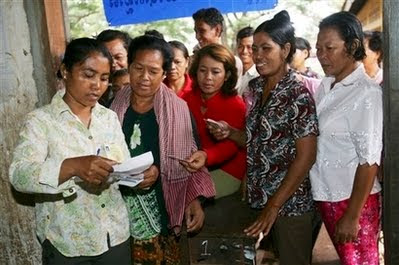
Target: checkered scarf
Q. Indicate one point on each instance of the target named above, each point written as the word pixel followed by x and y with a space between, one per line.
pixel 175 139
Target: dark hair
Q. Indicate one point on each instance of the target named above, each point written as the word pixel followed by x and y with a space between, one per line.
pixel 375 42
pixel 244 33
pixel 303 44
pixel 210 16
pixel 119 73
pixel 350 30
pixel 149 42
pixel 180 46
pixel 221 54
pixel 111 34
pixel 155 33
pixel 78 50
pixel 280 30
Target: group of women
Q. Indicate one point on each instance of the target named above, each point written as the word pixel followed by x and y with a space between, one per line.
pixel 194 121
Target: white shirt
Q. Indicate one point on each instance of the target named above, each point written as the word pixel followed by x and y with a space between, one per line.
pixel 350 124
pixel 378 77
pixel 250 74
pixel 240 68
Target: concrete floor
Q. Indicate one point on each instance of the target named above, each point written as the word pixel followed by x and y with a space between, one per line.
pixel 324 252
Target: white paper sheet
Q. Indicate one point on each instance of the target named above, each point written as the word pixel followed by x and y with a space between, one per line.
pixel 129 173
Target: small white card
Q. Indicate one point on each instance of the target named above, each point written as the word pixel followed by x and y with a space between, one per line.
pixel 130 172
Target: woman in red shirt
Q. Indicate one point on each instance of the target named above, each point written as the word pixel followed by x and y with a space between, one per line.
pixel 177 78
pixel 215 98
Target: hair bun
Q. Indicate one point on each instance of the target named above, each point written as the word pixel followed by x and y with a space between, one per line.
pixel 282 17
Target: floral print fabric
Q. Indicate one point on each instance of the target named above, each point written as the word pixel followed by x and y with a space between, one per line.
pixel 74 217
pixel 272 128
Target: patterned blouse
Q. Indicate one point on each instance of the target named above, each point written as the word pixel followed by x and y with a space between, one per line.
pixel 74 217
pixel 272 128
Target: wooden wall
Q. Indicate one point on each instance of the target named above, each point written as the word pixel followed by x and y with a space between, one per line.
pixel 29 58
pixel 371 15
pixel 391 132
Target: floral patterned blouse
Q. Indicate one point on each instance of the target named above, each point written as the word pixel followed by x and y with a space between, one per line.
pixel 74 217
pixel 288 114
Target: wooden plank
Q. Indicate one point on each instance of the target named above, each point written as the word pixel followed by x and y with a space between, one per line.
pixel 391 132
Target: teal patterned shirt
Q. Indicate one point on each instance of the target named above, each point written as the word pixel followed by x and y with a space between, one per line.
pixel 74 217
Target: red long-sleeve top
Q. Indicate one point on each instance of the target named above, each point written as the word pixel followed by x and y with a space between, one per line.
pixel 224 154
pixel 187 86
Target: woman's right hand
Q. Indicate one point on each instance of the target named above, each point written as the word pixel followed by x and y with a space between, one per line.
pixel 91 169
pixel 264 222
pixel 346 229
pixel 195 162
pixel 219 131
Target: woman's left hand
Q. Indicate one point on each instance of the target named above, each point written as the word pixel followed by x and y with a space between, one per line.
pixel 196 161
pixel 194 216
pixel 264 222
pixel 150 176
pixel 346 229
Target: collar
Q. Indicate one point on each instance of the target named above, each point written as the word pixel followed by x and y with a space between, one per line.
pixel 205 102
pixel 353 77
pixel 59 106
pixel 287 78
pixel 252 71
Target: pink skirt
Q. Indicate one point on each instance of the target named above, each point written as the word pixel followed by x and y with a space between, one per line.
pixel 363 251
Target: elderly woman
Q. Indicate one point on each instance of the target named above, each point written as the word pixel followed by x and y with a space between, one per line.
pixel 349 107
pixel 81 217
pixel 280 135
pixel 154 119
pixel 214 97
pixel 178 79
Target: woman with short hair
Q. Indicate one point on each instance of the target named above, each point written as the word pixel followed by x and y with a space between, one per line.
pixel 154 119
pixel 349 107
pixel 374 55
pixel 178 78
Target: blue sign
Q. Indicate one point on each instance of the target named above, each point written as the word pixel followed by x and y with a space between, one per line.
pixel 123 12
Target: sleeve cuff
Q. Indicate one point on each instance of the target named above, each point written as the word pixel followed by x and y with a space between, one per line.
pixel 368 147
pixel 49 176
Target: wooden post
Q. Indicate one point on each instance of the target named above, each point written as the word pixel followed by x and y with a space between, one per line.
pixel 391 132
pixel 56 28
